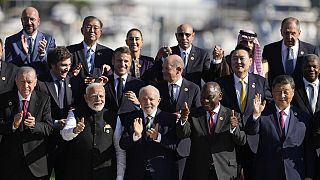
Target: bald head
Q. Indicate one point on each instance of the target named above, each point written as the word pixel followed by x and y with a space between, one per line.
pixel 184 26
pixel 172 68
pixel 185 36
pixel 30 20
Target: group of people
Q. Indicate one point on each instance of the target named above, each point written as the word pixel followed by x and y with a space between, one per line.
pixel 86 111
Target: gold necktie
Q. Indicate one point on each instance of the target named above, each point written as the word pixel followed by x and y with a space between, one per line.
pixel 243 94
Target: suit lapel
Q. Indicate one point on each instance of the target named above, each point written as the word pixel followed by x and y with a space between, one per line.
pixel 36 44
pixel 318 102
pixel 52 89
pixel 82 57
pixel 33 105
pixel 232 93
pixel 251 92
pixel 220 119
pixel 275 121
pixel 183 95
pixel 303 94
pixel 68 89
pixel 192 57
pixel 19 44
pixel 111 89
pixel 203 121
pixel 292 123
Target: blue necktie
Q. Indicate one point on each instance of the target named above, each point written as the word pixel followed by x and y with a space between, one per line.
pixel 289 61
pixel 89 59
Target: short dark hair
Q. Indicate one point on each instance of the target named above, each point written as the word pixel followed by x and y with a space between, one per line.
pixel 134 29
pixel 243 47
pixel 58 54
pixel 289 19
pixel 283 80
pixel 123 49
pixel 90 18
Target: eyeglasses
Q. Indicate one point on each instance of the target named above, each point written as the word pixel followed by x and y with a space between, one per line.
pixel 242 59
pixel 27 19
pixel 184 34
pixel 95 28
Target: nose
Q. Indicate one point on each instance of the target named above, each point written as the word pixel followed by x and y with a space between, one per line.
pixel 283 95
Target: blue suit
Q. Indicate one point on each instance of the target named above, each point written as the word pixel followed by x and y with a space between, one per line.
pixel 291 159
pixel 15 54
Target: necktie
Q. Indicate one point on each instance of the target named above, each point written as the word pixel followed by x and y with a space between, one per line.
pixel 243 94
pixel 136 68
pixel 185 60
pixel 312 98
pixel 60 85
pixel 149 122
pixel 289 61
pixel 119 89
pixel 173 99
pixel 30 48
pixel 281 119
pixel 89 59
pixel 24 113
pixel 211 122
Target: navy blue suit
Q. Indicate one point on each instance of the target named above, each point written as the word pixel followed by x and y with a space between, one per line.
pixel 272 54
pixel 291 159
pixel 14 52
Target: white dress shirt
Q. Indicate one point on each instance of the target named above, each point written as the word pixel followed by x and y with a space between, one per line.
pixel 286 117
pixel 177 87
pixel 185 53
pixel 116 81
pixel 284 53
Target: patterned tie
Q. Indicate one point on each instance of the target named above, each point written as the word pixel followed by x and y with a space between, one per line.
pixel 312 98
pixel 243 94
pixel 136 68
pixel 24 114
pixel 173 99
pixel 185 60
pixel 289 61
pixel 281 120
pixel 211 122
pixel 89 59
pixel 149 122
pixel 119 89
pixel 30 48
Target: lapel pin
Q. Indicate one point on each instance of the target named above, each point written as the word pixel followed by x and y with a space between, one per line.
pixel 186 89
pixel 220 118
pixel 192 57
pixel 98 53
pixel 295 113
pixel 69 85
pixel 301 52
pixel 3 78
pixel 253 85
pixel 10 103
pixel 139 65
pixel 106 128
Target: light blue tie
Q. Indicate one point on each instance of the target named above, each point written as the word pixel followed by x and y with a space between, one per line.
pixel 90 59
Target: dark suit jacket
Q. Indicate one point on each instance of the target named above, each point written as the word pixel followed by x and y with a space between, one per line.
pixel 147 73
pixel 103 55
pixel 91 155
pixel 14 52
pixel 198 67
pixel 132 84
pixel 8 73
pixel 145 152
pixel 218 148
pixel 221 69
pixel 28 144
pixel 272 53
pixel 300 99
pixel 293 157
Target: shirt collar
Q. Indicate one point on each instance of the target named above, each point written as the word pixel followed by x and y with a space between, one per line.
pixel 33 36
pixel 86 47
pixel 178 83
pixel 153 114
pixel 315 83
pixel 21 98
pixel 187 50
pixel 217 109
pixel 286 111
pixel 237 79
pixel 295 47
pixel 124 77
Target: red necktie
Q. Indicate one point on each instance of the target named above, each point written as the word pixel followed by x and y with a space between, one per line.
pixel 211 121
pixel 24 108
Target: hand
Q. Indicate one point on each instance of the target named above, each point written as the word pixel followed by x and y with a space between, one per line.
pixel 164 52
pixel 24 43
pixel 153 132
pixel 218 52
pixel 61 123
pixel 76 70
pixel 42 45
pixel 88 80
pixel 132 97
pixel 30 121
pixel 17 119
pixel 307 178
pixel 233 120
pixel 258 107
pixel 185 112
pixel 79 127
pixel 105 69
pixel 137 127
pixel 102 80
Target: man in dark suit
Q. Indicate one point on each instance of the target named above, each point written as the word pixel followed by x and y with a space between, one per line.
pixel 215 132
pixel 8 73
pixel 142 66
pixel 196 60
pixel 239 89
pixel 29 46
pixel 285 150
pixel 57 84
pixel 285 56
pixel 149 138
pixel 90 152
pixel 25 121
pixel 175 91
pixel 122 98
pixel 91 55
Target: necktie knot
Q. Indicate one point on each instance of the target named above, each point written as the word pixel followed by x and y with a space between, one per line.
pixel 149 122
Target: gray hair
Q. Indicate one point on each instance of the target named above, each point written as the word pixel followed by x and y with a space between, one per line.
pixel 149 88
pixel 93 85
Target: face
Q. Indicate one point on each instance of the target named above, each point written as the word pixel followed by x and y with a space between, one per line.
pixel 61 69
pixel 91 31
pixel 248 43
pixel 30 20
pixel 240 62
pixel 311 70
pixel 185 36
pixel 95 98
pixel 290 33
pixel 170 73
pixel 25 83
pixel 149 101
pixel 210 98
pixel 282 95
pixel 122 63
pixel 1 51
pixel 134 41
